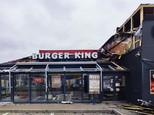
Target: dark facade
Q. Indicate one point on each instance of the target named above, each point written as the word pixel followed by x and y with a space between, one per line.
pixel 132 47
pixel 147 56
pixel 134 79
pixel 140 63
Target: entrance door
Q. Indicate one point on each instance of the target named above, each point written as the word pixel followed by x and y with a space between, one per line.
pixel 120 87
pixel 108 87
pixel 73 86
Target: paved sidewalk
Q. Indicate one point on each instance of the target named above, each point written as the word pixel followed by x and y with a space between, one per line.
pixel 63 108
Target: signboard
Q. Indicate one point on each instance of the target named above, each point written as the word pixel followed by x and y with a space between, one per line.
pixel 151 81
pixel 94 84
pixel 38 79
pixel 56 81
pixel 66 54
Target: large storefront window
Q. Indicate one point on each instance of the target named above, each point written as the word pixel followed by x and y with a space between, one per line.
pixel 38 87
pixel 69 87
pixel 114 87
pixel 55 87
pixel 5 93
pixel 21 87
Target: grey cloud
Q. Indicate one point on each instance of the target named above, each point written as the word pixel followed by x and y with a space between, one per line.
pixel 30 25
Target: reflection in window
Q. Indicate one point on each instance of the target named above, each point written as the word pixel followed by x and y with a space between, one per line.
pixel 108 88
pixel 21 87
pixel 73 86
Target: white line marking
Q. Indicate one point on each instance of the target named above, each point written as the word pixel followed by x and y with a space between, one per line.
pixel 5 114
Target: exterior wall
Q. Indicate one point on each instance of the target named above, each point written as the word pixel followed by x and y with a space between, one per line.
pixel 147 56
pixel 138 80
pixel 134 78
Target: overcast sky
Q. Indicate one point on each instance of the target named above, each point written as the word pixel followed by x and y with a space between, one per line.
pixel 27 26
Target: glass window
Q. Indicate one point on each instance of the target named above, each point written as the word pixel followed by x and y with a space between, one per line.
pixel 21 87
pixel 55 87
pixel 38 87
pixel 108 87
pixel 5 93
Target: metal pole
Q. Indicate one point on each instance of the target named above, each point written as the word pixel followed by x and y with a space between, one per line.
pixel 100 74
pixel 46 81
pixel 10 78
pixel 101 82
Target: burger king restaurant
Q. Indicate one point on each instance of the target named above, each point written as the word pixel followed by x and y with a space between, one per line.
pixel 62 75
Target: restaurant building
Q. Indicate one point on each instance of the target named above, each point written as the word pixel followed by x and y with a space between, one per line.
pixel 62 75
pixel 121 70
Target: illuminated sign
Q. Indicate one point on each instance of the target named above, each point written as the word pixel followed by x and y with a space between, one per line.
pixel 151 81
pixel 65 54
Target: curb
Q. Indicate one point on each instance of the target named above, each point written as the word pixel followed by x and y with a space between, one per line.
pixel 63 111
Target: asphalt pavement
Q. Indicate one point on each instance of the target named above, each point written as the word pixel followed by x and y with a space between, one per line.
pixel 105 108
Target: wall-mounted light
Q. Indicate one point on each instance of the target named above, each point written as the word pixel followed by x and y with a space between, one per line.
pixel 138 54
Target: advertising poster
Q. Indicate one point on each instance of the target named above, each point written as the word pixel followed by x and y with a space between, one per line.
pixel 94 84
pixel 56 81
pixel 151 82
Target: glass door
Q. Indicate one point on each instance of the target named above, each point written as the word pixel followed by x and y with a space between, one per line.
pixel 120 88
pixel 73 86
pixel 108 87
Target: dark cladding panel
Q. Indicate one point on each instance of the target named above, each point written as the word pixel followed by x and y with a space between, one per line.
pixel 134 79
pixel 147 56
pixel 148 38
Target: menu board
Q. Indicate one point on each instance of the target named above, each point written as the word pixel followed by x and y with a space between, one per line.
pixel 152 82
pixel 94 84
pixel 56 81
